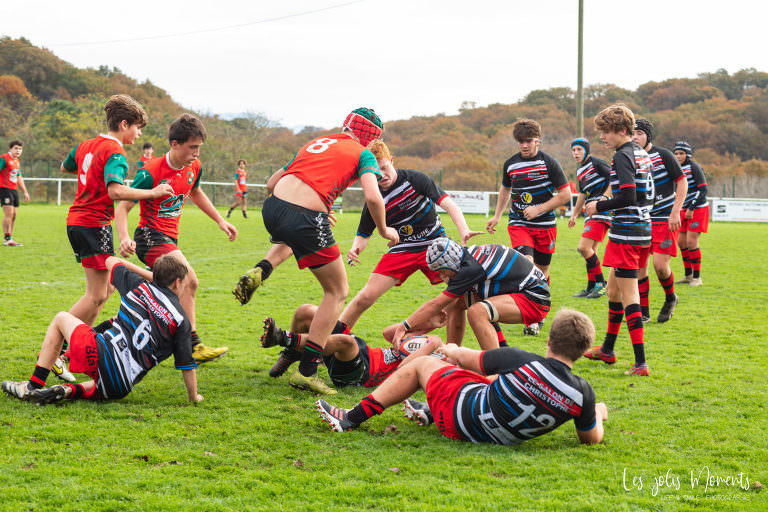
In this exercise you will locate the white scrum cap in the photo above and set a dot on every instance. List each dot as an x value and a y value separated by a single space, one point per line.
444 253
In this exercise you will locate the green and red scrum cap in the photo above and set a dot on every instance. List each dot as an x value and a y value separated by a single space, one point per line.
365 124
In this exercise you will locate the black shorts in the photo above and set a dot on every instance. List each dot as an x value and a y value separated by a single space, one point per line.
305 231
91 245
9 197
151 244
349 373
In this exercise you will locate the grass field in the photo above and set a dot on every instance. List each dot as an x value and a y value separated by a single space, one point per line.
257 444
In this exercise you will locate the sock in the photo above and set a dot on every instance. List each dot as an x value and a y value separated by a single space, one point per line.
244 215
37 380
615 315
594 270
266 269
669 286
195 339
635 326
291 340
644 287
499 334
310 358
367 408
78 391
341 328
695 255
687 261
7 236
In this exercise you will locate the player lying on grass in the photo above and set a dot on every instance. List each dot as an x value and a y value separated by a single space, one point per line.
532 395
158 229
150 327
349 359
493 283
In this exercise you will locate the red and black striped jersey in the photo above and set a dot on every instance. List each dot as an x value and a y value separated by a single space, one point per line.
532 181
631 167
666 173
697 185
594 177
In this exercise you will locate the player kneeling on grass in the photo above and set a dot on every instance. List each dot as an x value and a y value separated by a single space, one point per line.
494 283
150 327
532 395
349 359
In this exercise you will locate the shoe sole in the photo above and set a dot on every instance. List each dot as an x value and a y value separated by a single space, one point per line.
241 291
269 330
47 396
413 414
326 417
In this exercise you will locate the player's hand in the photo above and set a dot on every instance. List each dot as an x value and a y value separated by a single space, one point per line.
469 234
162 190
26 196
490 226
531 212
391 235
590 208
451 351
332 218
571 222
127 248
601 410
674 221
689 214
229 229
353 256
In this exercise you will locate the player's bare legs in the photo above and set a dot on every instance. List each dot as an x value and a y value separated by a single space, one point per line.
97 291
377 285
333 278
479 320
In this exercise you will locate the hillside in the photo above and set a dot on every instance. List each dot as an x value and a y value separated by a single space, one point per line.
52 105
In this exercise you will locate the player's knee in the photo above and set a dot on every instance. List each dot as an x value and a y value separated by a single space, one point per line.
365 298
304 314
192 282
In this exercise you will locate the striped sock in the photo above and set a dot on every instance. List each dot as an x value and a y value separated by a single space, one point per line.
37 380
594 270
310 358
499 334
669 285
367 408
78 391
615 316
636 332
695 255
687 261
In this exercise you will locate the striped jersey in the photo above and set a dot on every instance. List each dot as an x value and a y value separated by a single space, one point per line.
632 167
697 185
532 396
163 214
410 207
9 171
330 164
150 327
532 181
666 173
490 270
594 176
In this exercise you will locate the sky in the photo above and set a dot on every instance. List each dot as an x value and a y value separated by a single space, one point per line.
309 62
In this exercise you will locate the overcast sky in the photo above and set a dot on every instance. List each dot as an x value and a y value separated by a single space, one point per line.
308 62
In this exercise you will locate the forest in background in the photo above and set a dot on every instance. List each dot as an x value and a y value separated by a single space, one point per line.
52 106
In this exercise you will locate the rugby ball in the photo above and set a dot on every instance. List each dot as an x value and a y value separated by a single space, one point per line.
410 345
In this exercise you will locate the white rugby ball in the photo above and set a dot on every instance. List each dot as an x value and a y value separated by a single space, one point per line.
410 345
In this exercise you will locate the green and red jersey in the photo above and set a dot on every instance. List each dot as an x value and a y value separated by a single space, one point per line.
331 163
240 177
97 163
9 171
163 213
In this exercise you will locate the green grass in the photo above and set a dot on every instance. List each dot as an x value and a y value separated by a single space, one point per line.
257 444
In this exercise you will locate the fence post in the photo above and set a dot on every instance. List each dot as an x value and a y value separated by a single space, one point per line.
213 187
58 196
48 184
733 186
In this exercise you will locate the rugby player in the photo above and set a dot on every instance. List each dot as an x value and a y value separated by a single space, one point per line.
241 188
629 239
11 182
694 217
158 230
148 149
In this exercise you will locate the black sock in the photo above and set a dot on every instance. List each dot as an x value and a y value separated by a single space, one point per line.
77 391
266 269
367 408
291 340
37 380
310 358
341 328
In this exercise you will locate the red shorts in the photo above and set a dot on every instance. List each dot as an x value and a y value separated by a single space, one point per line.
443 388
626 256
92 245
663 241
532 312
595 230
400 265
241 193
699 223
83 353
542 240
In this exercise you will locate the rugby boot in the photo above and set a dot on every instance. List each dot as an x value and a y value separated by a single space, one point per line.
203 354
642 370
311 383
335 417
272 334
59 369
44 396
598 355
418 412
18 389
248 283
598 290
287 358
667 310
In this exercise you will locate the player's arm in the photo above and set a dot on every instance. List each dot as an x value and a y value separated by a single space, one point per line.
577 209
424 315
375 204
127 245
272 181
190 382
464 357
112 261
595 434
23 188
502 200
69 164
430 346
681 188
458 219
358 246
201 200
